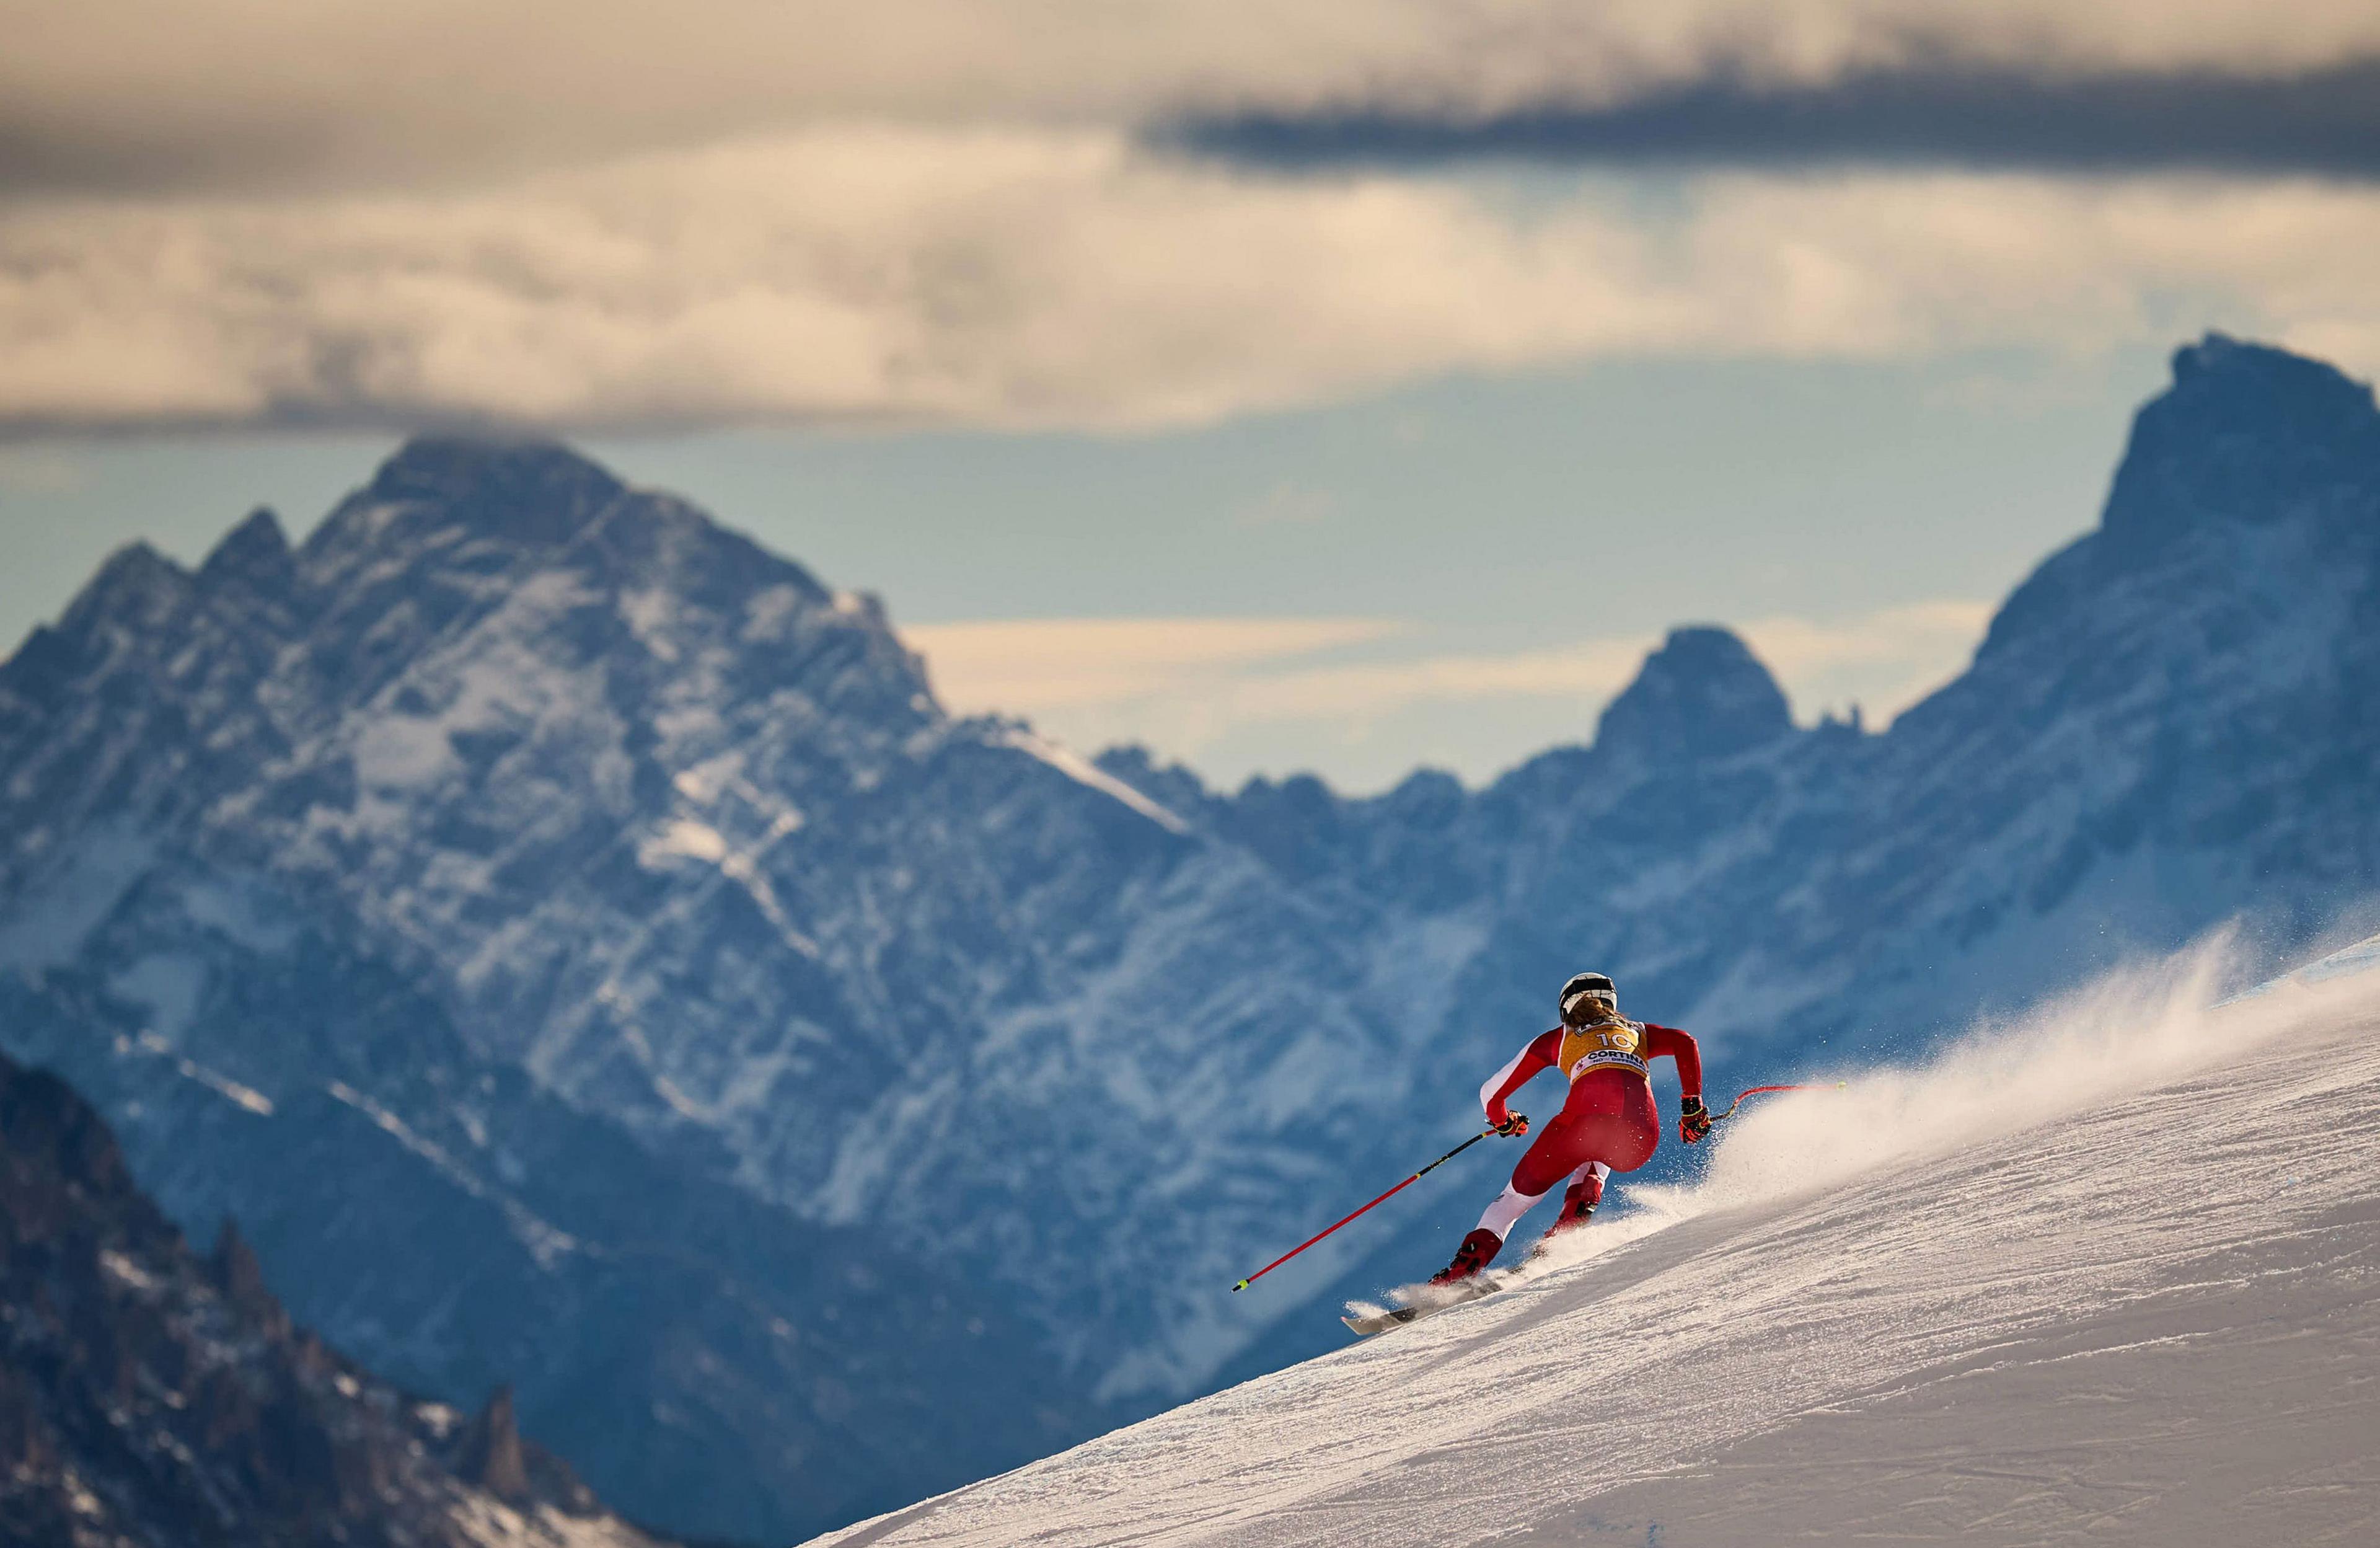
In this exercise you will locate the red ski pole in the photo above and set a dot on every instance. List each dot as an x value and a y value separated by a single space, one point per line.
1755 1090
1381 1199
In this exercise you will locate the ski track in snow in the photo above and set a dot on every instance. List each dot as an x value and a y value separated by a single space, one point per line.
2110 1274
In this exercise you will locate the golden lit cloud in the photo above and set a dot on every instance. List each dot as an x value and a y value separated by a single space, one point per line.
1184 686
1071 279
1031 667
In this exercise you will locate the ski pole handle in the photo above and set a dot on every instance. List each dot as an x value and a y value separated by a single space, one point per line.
1381 1199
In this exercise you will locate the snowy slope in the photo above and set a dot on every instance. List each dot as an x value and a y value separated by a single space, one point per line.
2112 1275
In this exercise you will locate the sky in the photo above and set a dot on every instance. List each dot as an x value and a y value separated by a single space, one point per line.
1323 385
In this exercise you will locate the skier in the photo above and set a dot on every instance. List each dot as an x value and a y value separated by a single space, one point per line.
1608 1125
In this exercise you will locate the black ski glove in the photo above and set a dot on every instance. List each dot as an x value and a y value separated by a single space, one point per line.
1694 1122
1517 1124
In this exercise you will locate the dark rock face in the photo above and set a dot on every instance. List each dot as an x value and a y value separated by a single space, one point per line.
2247 435
1701 695
797 1075
255 557
490 1455
148 1397
238 1278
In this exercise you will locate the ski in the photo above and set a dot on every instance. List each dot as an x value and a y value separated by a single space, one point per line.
1477 1287
1380 1322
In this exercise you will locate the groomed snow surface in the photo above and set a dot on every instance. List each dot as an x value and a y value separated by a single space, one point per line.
2109 1276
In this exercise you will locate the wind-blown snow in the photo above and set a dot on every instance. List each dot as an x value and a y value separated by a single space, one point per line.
2110 1274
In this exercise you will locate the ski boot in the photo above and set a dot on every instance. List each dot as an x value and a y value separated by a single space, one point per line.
1479 1250
1577 1208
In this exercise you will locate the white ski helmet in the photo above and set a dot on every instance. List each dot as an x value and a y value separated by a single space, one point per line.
1588 998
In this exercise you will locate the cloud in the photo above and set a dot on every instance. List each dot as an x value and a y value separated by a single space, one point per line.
1886 661
1583 671
238 213
177 95
1182 684
1188 687
1031 667
2324 121
1068 278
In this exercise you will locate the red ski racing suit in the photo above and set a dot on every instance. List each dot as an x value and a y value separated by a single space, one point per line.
1608 1124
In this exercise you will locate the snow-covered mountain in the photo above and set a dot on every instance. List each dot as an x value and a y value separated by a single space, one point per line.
590 926
255 883
151 1396
2102 1277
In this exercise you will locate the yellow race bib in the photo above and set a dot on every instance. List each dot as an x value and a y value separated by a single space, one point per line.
1613 1046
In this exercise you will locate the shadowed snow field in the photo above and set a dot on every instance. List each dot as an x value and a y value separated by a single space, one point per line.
2107 1275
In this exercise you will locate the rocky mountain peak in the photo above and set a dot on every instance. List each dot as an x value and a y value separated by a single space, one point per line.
137 588
237 1275
525 471
2247 434
257 547
533 493
254 572
1703 694
2249 440
491 1456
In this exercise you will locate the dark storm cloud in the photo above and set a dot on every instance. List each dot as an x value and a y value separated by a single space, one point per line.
2324 122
